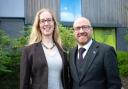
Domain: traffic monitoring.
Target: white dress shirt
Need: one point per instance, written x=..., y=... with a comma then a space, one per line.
x=86, y=46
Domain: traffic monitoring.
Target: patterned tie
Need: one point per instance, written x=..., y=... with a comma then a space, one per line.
x=81, y=50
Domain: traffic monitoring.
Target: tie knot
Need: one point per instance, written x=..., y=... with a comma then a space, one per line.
x=81, y=50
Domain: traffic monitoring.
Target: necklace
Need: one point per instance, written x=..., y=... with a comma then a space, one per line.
x=48, y=47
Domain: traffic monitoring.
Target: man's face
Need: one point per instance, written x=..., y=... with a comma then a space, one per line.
x=82, y=31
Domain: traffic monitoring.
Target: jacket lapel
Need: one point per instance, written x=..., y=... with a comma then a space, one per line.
x=89, y=59
x=62, y=54
x=40, y=52
x=73, y=67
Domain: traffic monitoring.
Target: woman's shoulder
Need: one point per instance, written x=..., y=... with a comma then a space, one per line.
x=29, y=47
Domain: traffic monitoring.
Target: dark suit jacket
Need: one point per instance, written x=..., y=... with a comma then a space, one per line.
x=99, y=68
x=34, y=68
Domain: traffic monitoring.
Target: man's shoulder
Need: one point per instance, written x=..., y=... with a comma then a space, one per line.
x=101, y=44
x=104, y=46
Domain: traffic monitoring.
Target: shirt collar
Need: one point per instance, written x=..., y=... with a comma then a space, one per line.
x=86, y=46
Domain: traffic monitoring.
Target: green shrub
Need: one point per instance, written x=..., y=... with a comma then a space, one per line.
x=10, y=53
x=67, y=37
x=4, y=58
x=122, y=58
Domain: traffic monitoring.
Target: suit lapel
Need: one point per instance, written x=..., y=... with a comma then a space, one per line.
x=73, y=67
x=89, y=59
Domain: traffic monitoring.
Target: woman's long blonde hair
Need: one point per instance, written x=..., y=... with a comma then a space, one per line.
x=36, y=35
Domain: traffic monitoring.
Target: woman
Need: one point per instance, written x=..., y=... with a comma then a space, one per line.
x=43, y=64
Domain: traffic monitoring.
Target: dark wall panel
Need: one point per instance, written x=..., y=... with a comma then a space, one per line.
x=14, y=27
x=106, y=13
x=32, y=6
x=122, y=43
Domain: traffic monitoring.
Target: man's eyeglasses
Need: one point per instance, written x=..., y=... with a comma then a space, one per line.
x=82, y=27
x=48, y=20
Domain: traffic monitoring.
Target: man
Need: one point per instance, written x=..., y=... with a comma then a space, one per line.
x=92, y=65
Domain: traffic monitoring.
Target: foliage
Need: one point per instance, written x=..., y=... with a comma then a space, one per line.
x=4, y=53
x=105, y=35
x=10, y=53
x=122, y=58
x=67, y=37
x=126, y=37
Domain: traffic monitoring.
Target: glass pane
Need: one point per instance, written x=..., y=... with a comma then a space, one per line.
x=70, y=9
x=105, y=35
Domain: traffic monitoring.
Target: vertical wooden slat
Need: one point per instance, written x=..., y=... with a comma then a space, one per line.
x=100, y=12
x=32, y=6
x=106, y=12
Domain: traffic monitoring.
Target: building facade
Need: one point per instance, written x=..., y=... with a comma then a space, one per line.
x=102, y=13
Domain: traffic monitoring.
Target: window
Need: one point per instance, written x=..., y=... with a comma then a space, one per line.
x=70, y=9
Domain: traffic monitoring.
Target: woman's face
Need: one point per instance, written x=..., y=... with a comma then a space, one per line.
x=46, y=23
